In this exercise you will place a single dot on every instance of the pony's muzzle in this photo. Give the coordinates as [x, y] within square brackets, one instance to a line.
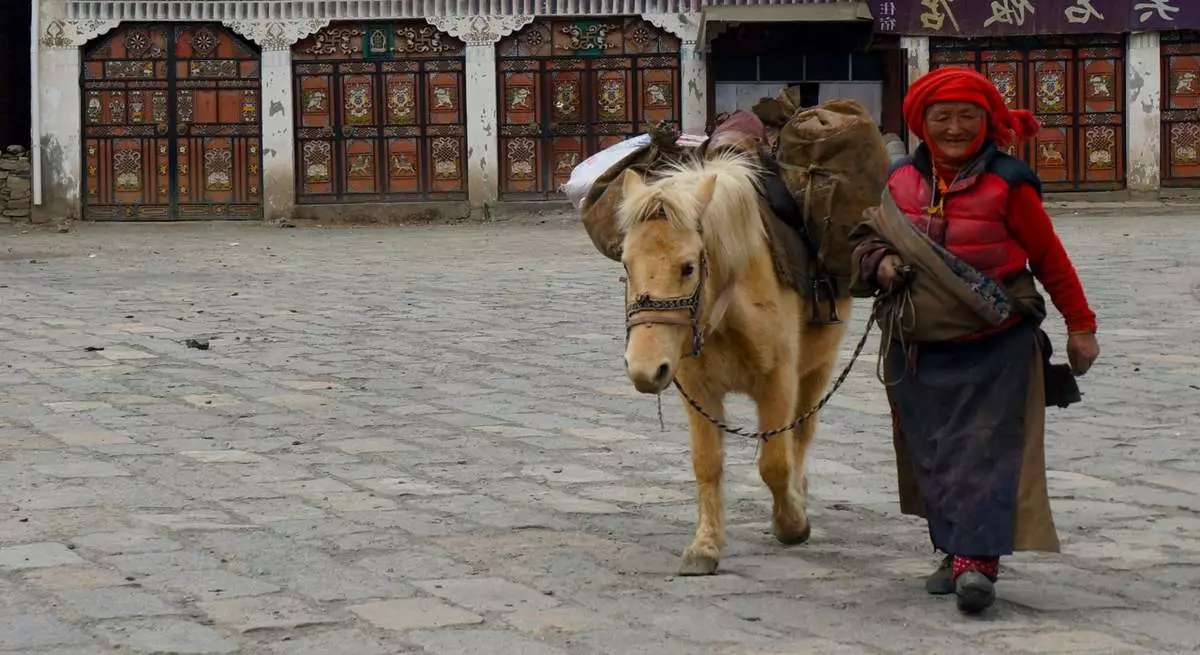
[649, 378]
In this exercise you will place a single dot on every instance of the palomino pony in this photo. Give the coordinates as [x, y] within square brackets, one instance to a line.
[707, 310]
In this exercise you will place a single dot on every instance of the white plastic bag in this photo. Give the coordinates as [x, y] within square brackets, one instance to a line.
[587, 171]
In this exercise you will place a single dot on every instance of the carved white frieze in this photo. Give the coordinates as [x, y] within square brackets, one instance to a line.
[277, 35]
[70, 34]
[686, 26]
[479, 30]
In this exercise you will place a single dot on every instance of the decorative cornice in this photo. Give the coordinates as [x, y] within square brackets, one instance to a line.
[276, 34]
[479, 30]
[686, 26]
[70, 34]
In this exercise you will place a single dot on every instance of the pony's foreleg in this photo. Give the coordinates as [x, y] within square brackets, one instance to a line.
[776, 407]
[708, 460]
[819, 348]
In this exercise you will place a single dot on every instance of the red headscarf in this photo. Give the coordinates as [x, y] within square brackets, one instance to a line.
[1005, 126]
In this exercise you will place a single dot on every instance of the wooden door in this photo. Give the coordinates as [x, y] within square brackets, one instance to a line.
[1180, 109]
[569, 89]
[171, 124]
[380, 114]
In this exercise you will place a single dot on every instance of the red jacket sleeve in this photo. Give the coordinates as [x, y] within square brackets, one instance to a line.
[1032, 228]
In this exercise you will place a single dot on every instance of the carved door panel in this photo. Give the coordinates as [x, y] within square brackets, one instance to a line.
[1075, 87]
[569, 89]
[1180, 109]
[218, 145]
[171, 125]
[126, 126]
[380, 114]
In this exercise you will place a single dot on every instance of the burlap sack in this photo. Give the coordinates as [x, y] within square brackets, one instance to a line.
[833, 160]
[599, 208]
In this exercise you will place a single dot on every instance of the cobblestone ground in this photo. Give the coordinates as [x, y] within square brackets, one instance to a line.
[420, 440]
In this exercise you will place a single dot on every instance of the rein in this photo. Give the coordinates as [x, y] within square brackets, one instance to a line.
[635, 314]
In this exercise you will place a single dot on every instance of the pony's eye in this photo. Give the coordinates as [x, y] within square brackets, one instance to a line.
[687, 270]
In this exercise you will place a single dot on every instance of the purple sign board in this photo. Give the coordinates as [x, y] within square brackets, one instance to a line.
[978, 18]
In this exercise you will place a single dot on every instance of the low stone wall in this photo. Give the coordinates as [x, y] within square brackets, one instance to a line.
[16, 199]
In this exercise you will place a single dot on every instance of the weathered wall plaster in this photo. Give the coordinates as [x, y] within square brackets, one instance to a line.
[1143, 119]
[917, 49]
[278, 143]
[693, 67]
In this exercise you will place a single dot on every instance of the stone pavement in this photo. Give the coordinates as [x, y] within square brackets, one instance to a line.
[420, 440]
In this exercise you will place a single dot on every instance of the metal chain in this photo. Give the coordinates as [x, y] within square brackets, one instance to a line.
[767, 434]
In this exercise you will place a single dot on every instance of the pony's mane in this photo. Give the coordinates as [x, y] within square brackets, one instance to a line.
[731, 226]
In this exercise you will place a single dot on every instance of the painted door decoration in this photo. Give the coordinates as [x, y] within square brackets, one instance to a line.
[570, 88]
[1075, 87]
[171, 124]
[380, 115]
[1181, 108]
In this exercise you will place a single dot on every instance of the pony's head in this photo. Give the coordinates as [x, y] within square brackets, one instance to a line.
[692, 231]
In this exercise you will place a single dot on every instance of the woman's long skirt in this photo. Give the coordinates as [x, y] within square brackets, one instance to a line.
[968, 428]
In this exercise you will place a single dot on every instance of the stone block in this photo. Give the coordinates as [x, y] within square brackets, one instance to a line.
[481, 642]
[38, 555]
[163, 562]
[65, 578]
[209, 584]
[350, 642]
[116, 602]
[488, 594]
[414, 614]
[412, 564]
[166, 636]
[23, 633]
[264, 613]
[130, 541]
[1070, 641]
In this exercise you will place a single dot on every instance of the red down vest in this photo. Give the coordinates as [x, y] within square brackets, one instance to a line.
[974, 226]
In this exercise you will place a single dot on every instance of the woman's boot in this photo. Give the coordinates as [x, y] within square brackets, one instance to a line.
[941, 581]
[974, 582]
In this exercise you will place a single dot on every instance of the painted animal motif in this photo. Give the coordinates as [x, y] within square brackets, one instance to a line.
[1049, 154]
[696, 235]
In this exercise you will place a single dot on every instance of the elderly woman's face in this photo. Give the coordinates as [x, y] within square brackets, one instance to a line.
[953, 126]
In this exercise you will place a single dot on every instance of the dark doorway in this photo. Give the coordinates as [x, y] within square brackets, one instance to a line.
[15, 83]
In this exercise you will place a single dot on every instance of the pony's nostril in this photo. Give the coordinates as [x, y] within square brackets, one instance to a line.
[664, 370]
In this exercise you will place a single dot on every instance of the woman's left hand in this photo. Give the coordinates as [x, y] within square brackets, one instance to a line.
[1082, 351]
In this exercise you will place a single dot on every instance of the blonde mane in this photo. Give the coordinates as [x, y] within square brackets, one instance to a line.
[731, 225]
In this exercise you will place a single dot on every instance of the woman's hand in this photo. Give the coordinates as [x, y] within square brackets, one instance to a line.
[1082, 351]
[888, 271]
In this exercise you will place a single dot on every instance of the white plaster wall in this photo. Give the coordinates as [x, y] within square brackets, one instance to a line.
[278, 144]
[483, 162]
[1143, 119]
[694, 72]
[61, 137]
[917, 49]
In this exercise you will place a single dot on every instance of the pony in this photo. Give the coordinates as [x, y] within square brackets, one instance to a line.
[707, 311]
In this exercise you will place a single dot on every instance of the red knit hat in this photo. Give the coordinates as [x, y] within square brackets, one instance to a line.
[1005, 126]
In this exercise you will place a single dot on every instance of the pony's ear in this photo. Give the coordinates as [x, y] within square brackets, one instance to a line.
[631, 182]
[704, 192]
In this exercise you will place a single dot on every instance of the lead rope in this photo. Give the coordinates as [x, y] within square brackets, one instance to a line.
[767, 434]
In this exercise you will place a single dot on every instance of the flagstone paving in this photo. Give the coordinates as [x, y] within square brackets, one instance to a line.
[420, 440]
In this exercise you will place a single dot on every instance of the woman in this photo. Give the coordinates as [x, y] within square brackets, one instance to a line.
[954, 249]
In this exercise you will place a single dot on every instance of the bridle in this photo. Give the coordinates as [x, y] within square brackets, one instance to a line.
[647, 310]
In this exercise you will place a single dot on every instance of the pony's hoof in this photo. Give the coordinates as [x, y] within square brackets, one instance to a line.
[697, 563]
[790, 536]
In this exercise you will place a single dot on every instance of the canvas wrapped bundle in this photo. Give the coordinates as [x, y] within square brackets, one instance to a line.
[833, 160]
[598, 211]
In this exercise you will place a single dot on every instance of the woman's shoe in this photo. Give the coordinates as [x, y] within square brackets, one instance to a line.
[941, 581]
[975, 592]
